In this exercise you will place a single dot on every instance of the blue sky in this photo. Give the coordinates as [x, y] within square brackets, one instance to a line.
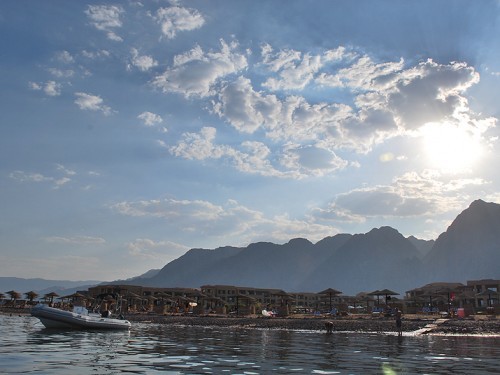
[133, 131]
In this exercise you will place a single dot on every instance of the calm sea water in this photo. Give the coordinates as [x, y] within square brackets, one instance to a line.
[27, 348]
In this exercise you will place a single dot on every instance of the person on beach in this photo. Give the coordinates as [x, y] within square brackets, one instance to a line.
[399, 323]
[329, 327]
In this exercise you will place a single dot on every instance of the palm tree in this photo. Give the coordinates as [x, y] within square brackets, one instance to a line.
[31, 295]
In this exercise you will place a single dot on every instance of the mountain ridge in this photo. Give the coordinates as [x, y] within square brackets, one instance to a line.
[381, 258]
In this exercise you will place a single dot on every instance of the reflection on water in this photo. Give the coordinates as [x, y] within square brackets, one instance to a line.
[26, 347]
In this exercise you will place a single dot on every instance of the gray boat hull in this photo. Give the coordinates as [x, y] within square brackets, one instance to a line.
[56, 318]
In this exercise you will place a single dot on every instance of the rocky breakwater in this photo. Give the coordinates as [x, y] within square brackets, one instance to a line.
[291, 323]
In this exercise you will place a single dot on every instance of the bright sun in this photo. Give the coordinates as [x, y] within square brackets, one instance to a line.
[450, 148]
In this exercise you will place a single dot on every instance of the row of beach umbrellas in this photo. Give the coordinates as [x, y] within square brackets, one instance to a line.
[165, 297]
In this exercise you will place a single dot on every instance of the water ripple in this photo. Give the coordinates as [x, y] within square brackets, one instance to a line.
[27, 348]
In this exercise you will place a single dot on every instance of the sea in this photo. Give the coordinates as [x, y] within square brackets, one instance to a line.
[26, 347]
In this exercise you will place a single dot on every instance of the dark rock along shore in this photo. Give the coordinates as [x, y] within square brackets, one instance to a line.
[452, 326]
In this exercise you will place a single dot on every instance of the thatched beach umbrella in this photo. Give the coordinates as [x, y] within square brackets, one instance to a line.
[331, 293]
[489, 293]
[14, 296]
[384, 292]
[376, 293]
[388, 293]
[50, 296]
[31, 295]
[74, 296]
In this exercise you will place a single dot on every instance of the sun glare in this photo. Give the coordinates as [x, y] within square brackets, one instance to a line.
[450, 148]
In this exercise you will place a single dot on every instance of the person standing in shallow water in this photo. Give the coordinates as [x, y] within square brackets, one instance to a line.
[399, 323]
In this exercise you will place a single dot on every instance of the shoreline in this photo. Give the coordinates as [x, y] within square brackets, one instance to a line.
[483, 326]
[412, 325]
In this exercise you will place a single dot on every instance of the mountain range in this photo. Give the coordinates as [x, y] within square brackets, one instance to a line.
[382, 258]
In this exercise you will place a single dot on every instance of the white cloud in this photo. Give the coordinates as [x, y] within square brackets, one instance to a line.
[27, 177]
[389, 100]
[106, 18]
[364, 74]
[143, 63]
[76, 240]
[311, 160]
[198, 146]
[252, 158]
[150, 118]
[430, 92]
[223, 222]
[291, 119]
[61, 73]
[65, 57]
[295, 70]
[50, 88]
[246, 109]
[162, 251]
[96, 54]
[175, 19]
[410, 195]
[22, 176]
[195, 72]
[65, 170]
[91, 103]
[61, 177]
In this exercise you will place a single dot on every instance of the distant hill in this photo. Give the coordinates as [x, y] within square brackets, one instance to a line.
[381, 258]
[42, 286]
[61, 287]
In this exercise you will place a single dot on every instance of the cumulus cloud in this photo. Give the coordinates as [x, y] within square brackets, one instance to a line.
[106, 18]
[252, 157]
[365, 74]
[411, 194]
[65, 57]
[244, 108]
[50, 88]
[389, 99]
[290, 119]
[150, 118]
[144, 62]
[312, 160]
[431, 92]
[295, 70]
[90, 102]
[195, 72]
[175, 19]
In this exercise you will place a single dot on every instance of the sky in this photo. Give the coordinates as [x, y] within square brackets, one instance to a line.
[133, 131]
